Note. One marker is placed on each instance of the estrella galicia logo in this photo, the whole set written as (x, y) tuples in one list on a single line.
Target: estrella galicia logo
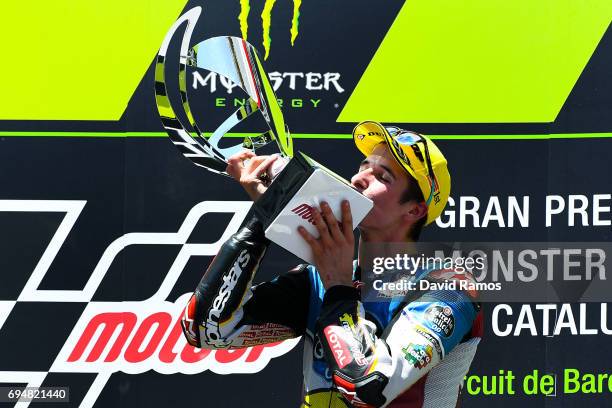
[(441, 319)]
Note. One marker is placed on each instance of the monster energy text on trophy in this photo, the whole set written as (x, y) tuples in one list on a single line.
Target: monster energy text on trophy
[(294, 189)]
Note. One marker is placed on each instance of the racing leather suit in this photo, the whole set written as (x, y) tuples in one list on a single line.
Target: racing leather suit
[(409, 353)]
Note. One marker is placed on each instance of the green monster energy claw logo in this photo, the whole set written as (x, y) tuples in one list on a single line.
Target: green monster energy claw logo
[(266, 21)]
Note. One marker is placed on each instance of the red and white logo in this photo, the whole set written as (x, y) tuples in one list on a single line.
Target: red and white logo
[(305, 211), (134, 337), (131, 337), (338, 347)]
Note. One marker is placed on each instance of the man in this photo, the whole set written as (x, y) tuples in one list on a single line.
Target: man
[(408, 353)]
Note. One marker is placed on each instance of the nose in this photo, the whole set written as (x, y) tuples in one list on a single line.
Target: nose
[(360, 180)]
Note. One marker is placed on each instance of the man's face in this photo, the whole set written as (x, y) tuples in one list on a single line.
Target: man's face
[(381, 179)]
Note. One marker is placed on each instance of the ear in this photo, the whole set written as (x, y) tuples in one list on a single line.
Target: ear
[(414, 211)]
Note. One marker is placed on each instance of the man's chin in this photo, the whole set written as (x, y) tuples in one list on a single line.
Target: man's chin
[(373, 219), (364, 224)]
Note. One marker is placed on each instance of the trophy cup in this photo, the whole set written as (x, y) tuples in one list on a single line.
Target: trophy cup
[(301, 185)]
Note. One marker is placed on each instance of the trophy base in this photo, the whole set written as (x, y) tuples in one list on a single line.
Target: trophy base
[(289, 201)]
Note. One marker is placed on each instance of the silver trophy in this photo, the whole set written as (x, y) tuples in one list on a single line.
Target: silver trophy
[(237, 60), (300, 186)]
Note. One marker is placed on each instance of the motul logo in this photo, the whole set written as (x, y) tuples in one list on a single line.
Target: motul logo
[(134, 337), (305, 211)]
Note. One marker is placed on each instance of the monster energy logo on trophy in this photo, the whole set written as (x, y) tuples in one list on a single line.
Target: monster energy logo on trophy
[(302, 181)]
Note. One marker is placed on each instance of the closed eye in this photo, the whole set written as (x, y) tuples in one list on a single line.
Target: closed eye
[(384, 177), (381, 171)]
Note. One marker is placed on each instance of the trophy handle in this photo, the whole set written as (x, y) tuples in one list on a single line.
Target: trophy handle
[(238, 61), (193, 146)]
